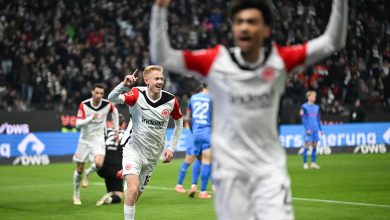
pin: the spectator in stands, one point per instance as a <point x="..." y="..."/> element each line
<point x="357" y="114"/>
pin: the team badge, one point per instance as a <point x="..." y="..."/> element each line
<point x="268" y="74"/>
<point x="128" y="166"/>
<point x="165" y="113"/>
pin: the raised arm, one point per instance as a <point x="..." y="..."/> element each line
<point x="180" y="61"/>
<point x="160" y="48"/>
<point x="129" y="98"/>
<point x="334" y="37"/>
<point x="332" y="40"/>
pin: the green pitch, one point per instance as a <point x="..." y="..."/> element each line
<point x="346" y="187"/>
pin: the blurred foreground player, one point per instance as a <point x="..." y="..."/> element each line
<point x="310" y="115"/>
<point x="113" y="163"/>
<point x="150" y="108"/>
<point x="245" y="84"/>
<point x="91" y="120"/>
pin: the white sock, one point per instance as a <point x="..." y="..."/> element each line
<point x="129" y="212"/>
<point x="91" y="169"/>
<point x="76" y="183"/>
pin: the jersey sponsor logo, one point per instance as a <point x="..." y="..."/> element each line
<point x="152" y="122"/>
<point x="251" y="100"/>
<point x="268" y="74"/>
<point x="165" y="113"/>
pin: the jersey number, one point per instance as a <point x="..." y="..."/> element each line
<point x="200" y="110"/>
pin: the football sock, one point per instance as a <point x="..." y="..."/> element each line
<point x="206" y="170"/>
<point x="129" y="212"/>
<point x="115" y="199"/>
<point x="304" y="155"/>
<point x="182" y="172"/>
<point x="196" y="171"/>
<point x="76" y="183"/>
<point x="91" y="169"/>
<point x="314" y="155"/>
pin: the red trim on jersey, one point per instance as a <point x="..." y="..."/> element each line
<point x="112" y="107"/>
<point x="131" y="97"/>
<point x="81" y="112"/>
<point x="292" y="56"/>
<point x="201" y="60"/>
<point x="176" y="112"/>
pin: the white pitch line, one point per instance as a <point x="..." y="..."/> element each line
<point x="341" y="202"/>
<point x="172" y="189"/>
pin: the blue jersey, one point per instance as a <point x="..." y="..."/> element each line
<point x="200" y="107"/>
<point x="310" y="114"/>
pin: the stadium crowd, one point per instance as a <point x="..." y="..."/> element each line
<point x="51" y="52"/>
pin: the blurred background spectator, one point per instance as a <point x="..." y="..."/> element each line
<point x="51" y="52"/>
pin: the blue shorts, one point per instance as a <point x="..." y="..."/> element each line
<point x="190" y="150"/>
<point x="201" y="142"/>
<point x="313" y="137"/>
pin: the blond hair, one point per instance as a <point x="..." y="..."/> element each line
<point x="151" y="68"/>
<point x="311" y="92"/>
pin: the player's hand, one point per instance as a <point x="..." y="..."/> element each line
<point x="162" y="3"/>
<point x="130" y="79"/>
<point x="321" y="133"/>
<point x="308" y="132"/>
<point x="168" y="155"/>
<point x="95" y="116"/>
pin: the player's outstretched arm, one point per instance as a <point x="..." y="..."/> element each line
<point x="168" y="154"/>
<point x="115" y="95"/>
<point x="334" y="37"/>
<point x="161" y="51"/>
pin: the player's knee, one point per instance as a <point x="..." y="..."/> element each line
<point x="80" y="168"/>
<point x="190" y="160"/>
<point x="131" y="190"/>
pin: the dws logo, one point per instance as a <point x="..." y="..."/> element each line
<point x="374" y="148"/>
<point x="37" y="146"/>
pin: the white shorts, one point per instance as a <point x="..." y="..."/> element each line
<point x="87" y="151"/>
<point x="254" y="198"/>
<point x="134" y="163"/>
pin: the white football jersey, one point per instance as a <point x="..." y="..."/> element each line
<point x="150" y="120"/>
<point x="94" y="131"/>
<point x="246" y="95"/>
<point x="245" y="140"/>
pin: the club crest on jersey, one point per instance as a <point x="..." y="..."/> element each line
<point x="128" y="166"/>
<point x="165" y="113"/>
<point x="268" y="74"/>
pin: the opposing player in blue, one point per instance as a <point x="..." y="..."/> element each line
<point x="199" y="110"/>
<point x="310" y="115"/>
<point x="189" y="159"/>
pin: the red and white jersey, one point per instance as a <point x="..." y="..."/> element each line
<point x="150" y="120"/>
<point x="246" y="100"/>
<point x="93" y="130"/>
<point x="245" y="95"/>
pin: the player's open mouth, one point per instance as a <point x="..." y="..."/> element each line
<point x="159" y="86"/>
<point x="244" y="40"/>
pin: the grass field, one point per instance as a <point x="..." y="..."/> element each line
<point x="346" y="187"/>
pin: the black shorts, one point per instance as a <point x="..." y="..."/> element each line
<point x="109" y="175"/>
<point x="113" y="184"/>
